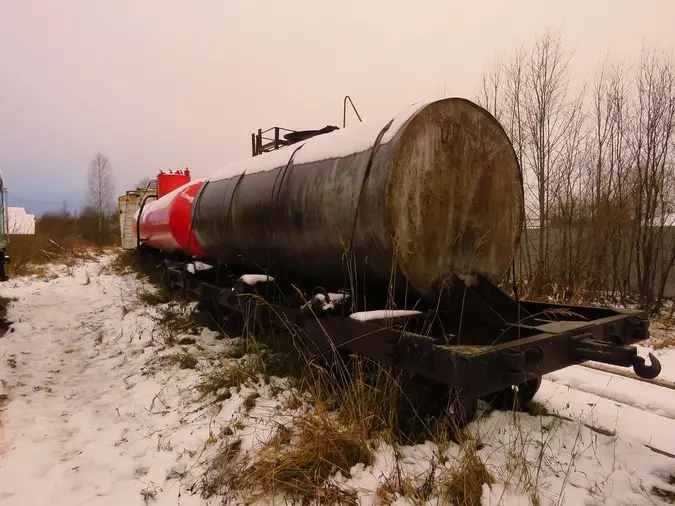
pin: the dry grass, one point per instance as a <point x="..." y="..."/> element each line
<point x="662" y="334"/>
<point x="183" y="360"/>
<point x="463" y="484"/>
<point x="298" y="461"/>
<point x="460" y="483"/>
<point x="123" y="263"/>
<point x="250" y="401"/>
<point x="223" y="471"/>
<point x="221" y="379"/>
<point x="5" y="302"/>
<point x="337" y="430"/>
<point x="30" y="253"/>
<point x="172" y="319"/>
<point x="150" y="296"/>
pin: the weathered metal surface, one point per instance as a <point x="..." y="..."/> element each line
<point x="436" y="191"/>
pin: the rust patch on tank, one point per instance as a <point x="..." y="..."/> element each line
<point x="454" y="195"/>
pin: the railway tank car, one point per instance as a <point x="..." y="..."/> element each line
<point x="434" y="191"/>
<point x="388" y="240"/>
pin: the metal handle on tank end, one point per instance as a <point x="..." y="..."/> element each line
<point x="140" y="213"/>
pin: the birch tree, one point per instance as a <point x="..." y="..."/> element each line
<point x="100" y="188"/>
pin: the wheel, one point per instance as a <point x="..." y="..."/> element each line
<point x="462" y="409"/>
<point x="427" y="403"/>
<point x="514" y="398"/>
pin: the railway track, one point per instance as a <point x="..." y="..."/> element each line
<point x="619" y="388"/>
<point x="629" y="374"/>
<point x="614" y="404"/>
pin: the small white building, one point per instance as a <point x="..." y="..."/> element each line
<point x="19" y="222"/>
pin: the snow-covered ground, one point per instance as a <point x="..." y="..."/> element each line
<point x="95" y="416"/>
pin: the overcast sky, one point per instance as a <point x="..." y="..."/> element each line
<point x="167" y="84"/>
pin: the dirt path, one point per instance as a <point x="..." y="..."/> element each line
<point x="77" y="416"/>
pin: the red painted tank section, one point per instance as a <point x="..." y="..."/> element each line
<point x="169" y="181"/>
<point x="166" y="223"/>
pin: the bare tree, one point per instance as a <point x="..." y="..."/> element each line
<point x="548" y="121"/>
<point x="607" y="183"/>
<point x="529" y="95"/>
<point x="489" y="93"/>
<point x="146" y="182"/>
<point x="100" y="188"/>
<point x="599" y="176"/>
<point x="653" y="136"/>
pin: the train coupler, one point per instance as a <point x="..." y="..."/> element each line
<point x="614" y="354"/>
<point x="645" y="371"/>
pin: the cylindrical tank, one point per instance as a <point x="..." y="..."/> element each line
<point x="436" y="190"/>
<point x="166" y="223"/>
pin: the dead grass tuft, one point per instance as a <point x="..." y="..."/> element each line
<point x="243" y="372"/>
<point x="463" y="484"/>
<point x="298" y="461"/>
<point x="417" y="488"/>
<point x="360" y="392"/>
<point x="249" y="402"/>
<point x="149" y="296"/>
<point x="536" y="408"/>
<point x="123" y="263"/>
<point x="183" y="360"/>
<point x="662" y="334"/>
<point x="223" y="472"/>
<point x="6" y="301"/>
<point x="345" y="416"/>
<point x="173" y="319"/>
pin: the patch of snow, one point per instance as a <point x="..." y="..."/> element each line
<point x="334" y="298"/>
<point x="337" y="297"/>
<point x="337" y="144"/>
<point x="638" y="394"/>
<point x="353" y="139"/>
<point x="261" y="163"/>
<point x="567" y="462"/>
<point x="253" y="279"/>
<point x="382" y="314"/>
<point x="630" y="422"/>
<point x="403" y="116"/>
<point x="198" y="266"/>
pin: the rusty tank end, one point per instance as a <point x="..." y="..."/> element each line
<point x="454" y="195"/>
<point x="436" y="190"/>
